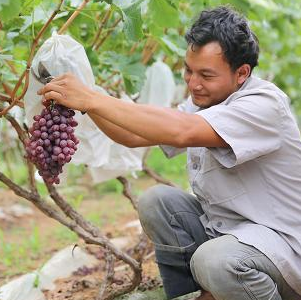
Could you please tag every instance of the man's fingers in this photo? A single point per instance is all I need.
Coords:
(59, 78)
(55, 79)
(62, 77)
(52, 95)
(50, 87)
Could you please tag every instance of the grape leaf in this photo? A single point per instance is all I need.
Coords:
(9, 9)
(28, 6)
(133, 21)
(163, 14)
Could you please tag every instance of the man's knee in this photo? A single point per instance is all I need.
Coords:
(150, 203)
(212, 267)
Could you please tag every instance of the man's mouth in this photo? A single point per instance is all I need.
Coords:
(199, 95)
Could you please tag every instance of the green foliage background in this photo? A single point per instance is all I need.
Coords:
(277, 23)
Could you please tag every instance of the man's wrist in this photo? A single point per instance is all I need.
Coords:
(94, 102)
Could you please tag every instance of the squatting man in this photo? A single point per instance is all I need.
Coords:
(239, 235)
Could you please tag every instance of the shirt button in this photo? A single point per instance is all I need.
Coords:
(219, 224)
(195, 166)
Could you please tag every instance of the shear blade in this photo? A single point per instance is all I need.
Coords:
(44, 76)
(43, 72)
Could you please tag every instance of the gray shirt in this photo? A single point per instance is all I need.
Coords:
(252, 190)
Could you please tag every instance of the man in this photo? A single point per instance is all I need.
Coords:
(239, 235)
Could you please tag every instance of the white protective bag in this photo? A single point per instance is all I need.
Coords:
(120, 155)
(61, 54)
(159, 87)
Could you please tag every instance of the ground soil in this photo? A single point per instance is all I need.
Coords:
(83, 284)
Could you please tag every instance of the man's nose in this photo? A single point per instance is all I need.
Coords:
(194, 82)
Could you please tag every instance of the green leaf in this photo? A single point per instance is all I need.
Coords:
(133, 84)
(163, 14)
(36, 281)
(155, 30)
(130, 67)
(92, 56)
(267, 4)
(134, 76)
(14, 24)
(242, 6)
(118, 10)
(28, 6)
(173, 47)
(9, 9)
(133, 21)
(3, 3)
(83, 28)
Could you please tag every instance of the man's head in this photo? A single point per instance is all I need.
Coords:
(222, 52)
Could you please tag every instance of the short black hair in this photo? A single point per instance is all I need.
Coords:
(231, 30)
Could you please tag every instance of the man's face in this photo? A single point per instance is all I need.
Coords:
(208, 75)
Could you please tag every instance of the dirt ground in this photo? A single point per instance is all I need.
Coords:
(85, 282)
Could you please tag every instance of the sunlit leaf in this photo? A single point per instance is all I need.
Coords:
(163, 14)
(133, 21)
(9, 9)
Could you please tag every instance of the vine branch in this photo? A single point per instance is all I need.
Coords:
(4, 98)
(127, 190)
(108, 33)
(109, 274)
(23, 136)
(73, 16)
(102, 23)
(152, 173)
(81, 232)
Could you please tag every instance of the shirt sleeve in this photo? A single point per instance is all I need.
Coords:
(188, 107)
(250, 125)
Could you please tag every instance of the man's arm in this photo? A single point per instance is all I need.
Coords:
(158, 125)
(118, 134)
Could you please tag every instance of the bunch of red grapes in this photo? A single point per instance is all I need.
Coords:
(52, 141)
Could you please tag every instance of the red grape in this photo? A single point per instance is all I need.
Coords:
(52, 141)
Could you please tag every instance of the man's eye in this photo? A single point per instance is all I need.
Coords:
(187, 70)
(207, 76)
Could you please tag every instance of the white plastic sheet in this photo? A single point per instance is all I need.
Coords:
(61, 265)
(22, 288)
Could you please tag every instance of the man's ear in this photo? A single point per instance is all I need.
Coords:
(243, 72)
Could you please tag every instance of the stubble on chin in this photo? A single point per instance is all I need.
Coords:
(201, 103)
